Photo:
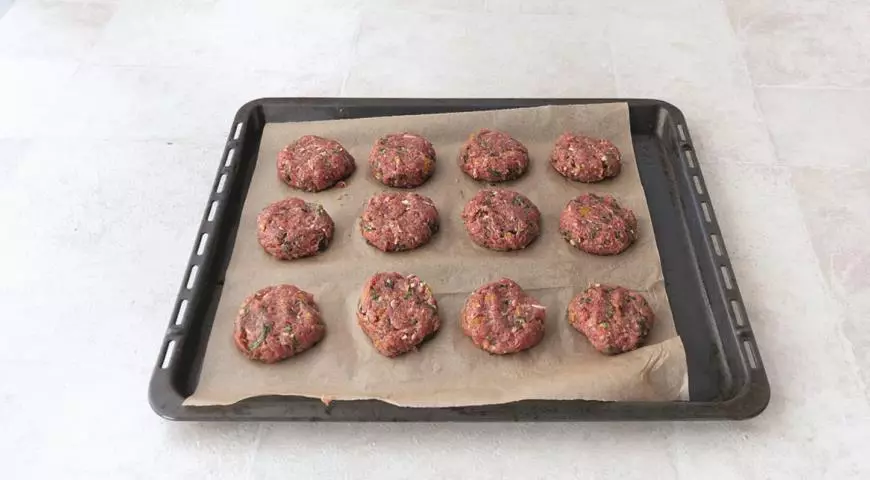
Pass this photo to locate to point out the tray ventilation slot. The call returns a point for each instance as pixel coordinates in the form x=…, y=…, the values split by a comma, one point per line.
x=698, y=188
x=167, y=357
x=230, y=156
x=191, y=279
x=726, y=277
x=179, y=317
x=737, y=309
x=690, y=157
x=212, y=211
x=750, y=354
x=716, y=247
x=203, y=241
x=682, y=132
x=706, y=209
x=238, y=131
x=221, y=183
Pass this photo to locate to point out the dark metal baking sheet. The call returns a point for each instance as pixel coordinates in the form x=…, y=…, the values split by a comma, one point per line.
x=726, y=376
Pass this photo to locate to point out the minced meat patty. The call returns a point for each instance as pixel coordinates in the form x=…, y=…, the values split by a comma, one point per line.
x=314, y=163
x=501, y=318
x=501, y=219
x=585, y=159
x=278, y=322
x=292, y=228
x=403, y=160
x=396, y=221
x=493, y=156
x=598, y=225
x=397, y=312
x=614, y=319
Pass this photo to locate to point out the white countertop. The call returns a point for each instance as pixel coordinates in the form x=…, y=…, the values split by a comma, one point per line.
x=112, y=120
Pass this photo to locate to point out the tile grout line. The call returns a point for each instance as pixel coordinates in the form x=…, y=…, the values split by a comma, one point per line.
x=831, y=298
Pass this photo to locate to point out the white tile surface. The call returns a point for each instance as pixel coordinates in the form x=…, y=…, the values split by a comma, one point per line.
x=462, y=450
x=49, y=29
x=452, y=54
x=695, y=65
x=28, y=90
x=230, y=35
x=11, y=152
x=802, y=42
x=115, y=255
x=112, y=118
x=171, y=102
x=816, y=127
x=835, y=207
x=817, y=409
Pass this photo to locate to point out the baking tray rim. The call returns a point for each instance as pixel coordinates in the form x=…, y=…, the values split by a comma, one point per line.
x=749, y=398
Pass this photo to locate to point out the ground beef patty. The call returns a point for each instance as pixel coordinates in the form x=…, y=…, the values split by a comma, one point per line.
x=598, y=225
x=585, y=159
x=614, y=319
x=501, y=318
x=314, y=163
x=493, y=156
x=396, y=221
x=292, y=228
x=501, y=219
x=403, y=160
x=397, y=312
x=278, y=322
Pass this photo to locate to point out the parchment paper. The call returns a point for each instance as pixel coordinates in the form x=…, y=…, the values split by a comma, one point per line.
x=449, y=370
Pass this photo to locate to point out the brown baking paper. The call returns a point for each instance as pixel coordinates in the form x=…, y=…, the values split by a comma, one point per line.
x=448, y=370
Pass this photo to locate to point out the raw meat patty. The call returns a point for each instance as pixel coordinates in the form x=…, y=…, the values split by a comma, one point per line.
x=493, y=156
x=397, y=312
x=585, y=159
x=403, y=160
x=501, y=219
x=501, y=318
x=276, y=323
x=396, y=221
x=598, y=225
x=292, y=228
x=614, y=319
x=314, y=163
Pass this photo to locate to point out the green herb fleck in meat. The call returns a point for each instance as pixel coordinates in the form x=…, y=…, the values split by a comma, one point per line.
x=604, y=325
x=375, y=296
x=261, y=338
x=288, y=329
x=493, y=172
x=389, y=283
x=408, y=293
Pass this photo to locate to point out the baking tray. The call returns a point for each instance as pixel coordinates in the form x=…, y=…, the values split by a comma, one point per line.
x=726, y=376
